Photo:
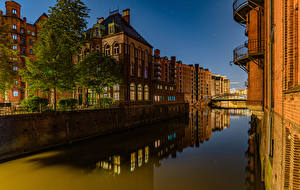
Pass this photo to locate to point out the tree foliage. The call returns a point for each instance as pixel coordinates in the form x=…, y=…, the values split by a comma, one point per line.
x=96, y=72
x=59, y=39
x=35, y=104
x=7, y=75
x=67, y=104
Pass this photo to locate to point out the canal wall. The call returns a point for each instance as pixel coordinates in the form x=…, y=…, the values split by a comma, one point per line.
x=22, y=134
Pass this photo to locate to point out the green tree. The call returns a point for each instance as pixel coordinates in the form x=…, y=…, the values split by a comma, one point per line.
x=59, y=40
x=95, y=72
x=7, y=75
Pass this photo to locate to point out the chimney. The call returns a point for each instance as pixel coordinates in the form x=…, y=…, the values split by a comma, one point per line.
x=173, y=59
x=126, y=15
x=100, y=20
x=157, y=53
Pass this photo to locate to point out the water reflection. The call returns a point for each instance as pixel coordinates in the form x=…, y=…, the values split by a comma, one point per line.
x=206, y=152
x=277, y=146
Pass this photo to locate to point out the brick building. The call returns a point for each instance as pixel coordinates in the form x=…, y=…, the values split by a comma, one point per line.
x=219, y=85
x=185, y=81
x=272, y=63
x=164, y=80
x=24, y=35
x=115, y=37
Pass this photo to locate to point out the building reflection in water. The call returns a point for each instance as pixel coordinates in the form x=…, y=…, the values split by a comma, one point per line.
x=127, y=161
x=278, y=152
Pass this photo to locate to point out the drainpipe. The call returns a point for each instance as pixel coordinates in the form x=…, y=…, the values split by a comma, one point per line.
x=270, y=69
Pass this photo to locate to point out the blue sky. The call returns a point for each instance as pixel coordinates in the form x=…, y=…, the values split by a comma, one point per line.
x=195, y=31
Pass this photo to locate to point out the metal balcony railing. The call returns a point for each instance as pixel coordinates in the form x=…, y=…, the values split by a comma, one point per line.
x=253, y=48
x=242, y=7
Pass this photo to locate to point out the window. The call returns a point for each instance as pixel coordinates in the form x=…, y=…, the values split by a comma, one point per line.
x=15, y=48
x=146, y=92
x=14, y=11
x=117, y=95
x=16, y=83
x=15, y=68
x=33, y=33
x=117, y=92
x=146, y=73
x=132, y=161
x=14, y=26
x=116, y=49
x=30, y=51
x=131, y=69
x=15, y=93
x=14, y=37
x=116, y=88
x=31, y=42
x=140, y=92
x=22, y=30
x=132, y=92
x=28, y=32
x=107, y=50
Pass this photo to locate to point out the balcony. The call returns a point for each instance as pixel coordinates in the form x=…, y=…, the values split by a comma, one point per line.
x=250, y=51
x=242, y=7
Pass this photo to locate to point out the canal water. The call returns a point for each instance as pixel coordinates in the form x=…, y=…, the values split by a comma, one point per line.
x=210, y=151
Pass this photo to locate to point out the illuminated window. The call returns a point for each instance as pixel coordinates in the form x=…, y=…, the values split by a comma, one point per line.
x=107, y=50
x=33, y=33
x=132, y=92
x=15, y=68
x=146, y=93
x=16, y=83
x=15, y=93
x=14, y=37
x=14, y=11
x=140, y=92
x=146, y=154
x=117, y=92
x=14, y=26
x=116, y=49
x=140, y=157
x=117, y=165
x=132, y=161
x=15, y=48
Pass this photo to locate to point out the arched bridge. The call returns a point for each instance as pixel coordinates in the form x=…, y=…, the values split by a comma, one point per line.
x=229, y=97
x=235, y=101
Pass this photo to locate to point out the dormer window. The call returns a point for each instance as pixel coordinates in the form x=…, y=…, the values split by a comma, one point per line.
x=14, y=11
x=112, y=28
x=116, y=49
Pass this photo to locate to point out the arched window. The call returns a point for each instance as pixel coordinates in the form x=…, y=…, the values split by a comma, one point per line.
x=146, y=92
x=116, y=49
x=107, y=50
x=132, y=92
x=140, y=92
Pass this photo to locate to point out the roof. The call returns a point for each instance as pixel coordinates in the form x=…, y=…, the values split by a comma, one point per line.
x=124, y=27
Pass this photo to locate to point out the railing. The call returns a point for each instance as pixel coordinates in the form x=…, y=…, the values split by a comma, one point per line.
x=240, y=52
x=249, y=48
x=242, y=7
x=237, y=4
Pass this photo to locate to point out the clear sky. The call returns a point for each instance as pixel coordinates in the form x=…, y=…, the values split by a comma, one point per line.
x=195, y=31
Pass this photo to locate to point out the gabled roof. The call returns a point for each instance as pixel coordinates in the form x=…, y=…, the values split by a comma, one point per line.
x=40, y=18
x=123, y=27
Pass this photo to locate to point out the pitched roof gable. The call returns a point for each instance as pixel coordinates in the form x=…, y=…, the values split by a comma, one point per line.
x=124, y=27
